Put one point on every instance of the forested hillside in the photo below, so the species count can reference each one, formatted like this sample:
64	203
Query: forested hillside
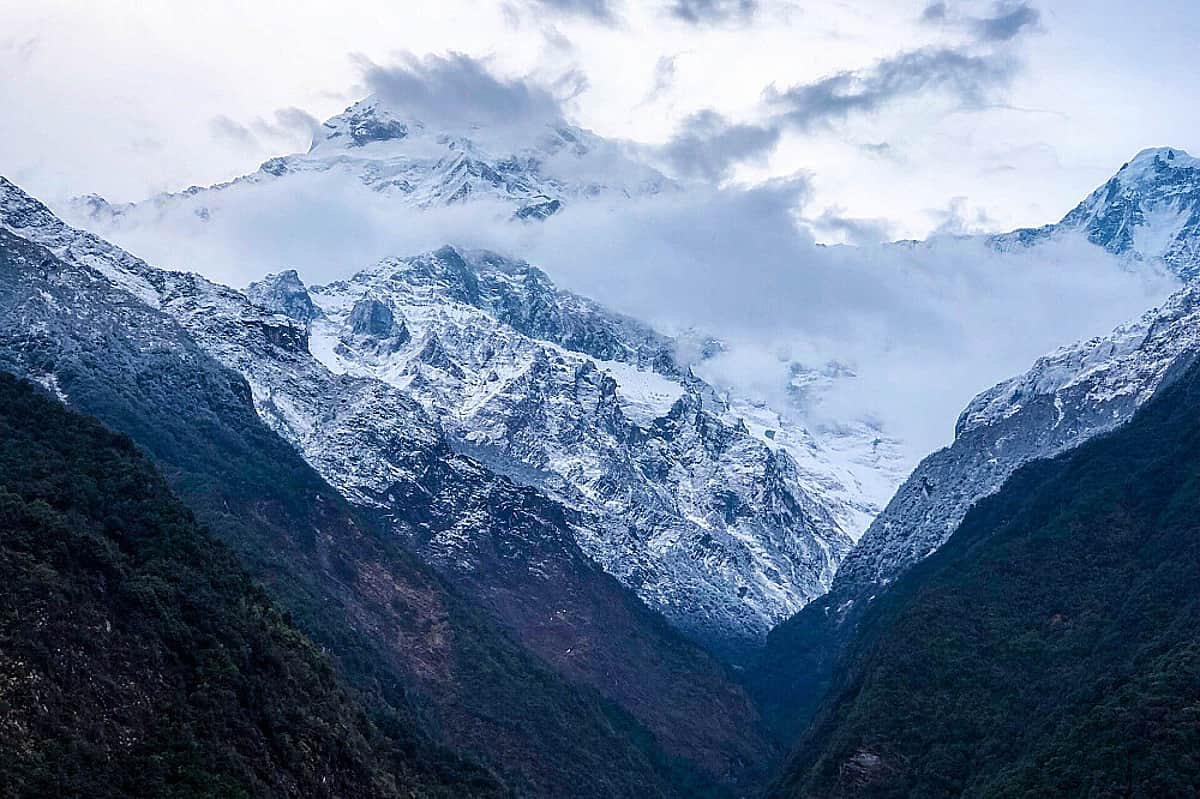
137	659
1048	649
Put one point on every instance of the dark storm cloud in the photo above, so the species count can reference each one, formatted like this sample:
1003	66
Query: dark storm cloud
707	146
455	89
709	11
1008	22
966	77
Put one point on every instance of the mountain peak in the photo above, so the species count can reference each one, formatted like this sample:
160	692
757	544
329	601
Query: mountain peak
1148	211
1154	163
365	122
284	293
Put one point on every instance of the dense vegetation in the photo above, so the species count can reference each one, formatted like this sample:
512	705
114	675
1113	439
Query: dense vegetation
137	659
1051	648
793	673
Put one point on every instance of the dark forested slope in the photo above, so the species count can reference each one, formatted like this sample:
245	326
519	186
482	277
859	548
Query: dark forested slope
1050	648
137	659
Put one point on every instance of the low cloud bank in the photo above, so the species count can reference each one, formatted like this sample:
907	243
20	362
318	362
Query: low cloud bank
901	335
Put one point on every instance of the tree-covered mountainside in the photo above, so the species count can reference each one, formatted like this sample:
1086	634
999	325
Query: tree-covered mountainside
137	658
1050	648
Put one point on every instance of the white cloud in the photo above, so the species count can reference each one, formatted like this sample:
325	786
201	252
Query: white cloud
920	327
117	98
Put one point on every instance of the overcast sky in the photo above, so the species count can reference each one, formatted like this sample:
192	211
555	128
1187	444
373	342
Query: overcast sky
906	117
861	121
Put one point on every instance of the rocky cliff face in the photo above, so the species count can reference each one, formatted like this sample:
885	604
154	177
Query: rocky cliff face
715	526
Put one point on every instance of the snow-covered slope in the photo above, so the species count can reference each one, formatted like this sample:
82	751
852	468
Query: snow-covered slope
401	159
724	514
1149	210
710	521
725	520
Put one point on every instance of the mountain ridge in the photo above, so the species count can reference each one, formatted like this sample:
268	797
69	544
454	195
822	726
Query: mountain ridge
1074	671
441	498
1149	211
1067	397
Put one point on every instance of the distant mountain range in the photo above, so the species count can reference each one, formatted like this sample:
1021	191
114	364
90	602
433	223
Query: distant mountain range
531	175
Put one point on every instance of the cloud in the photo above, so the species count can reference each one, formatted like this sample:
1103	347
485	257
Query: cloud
966	77
289	123
913	331
456	90
935	12
699	12
22	49
957	219
916	329
834	223
599	10
1009	21
666	69
880	149
707	146
286	125
225	129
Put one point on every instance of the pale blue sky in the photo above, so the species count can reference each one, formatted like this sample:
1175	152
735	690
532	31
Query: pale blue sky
901	118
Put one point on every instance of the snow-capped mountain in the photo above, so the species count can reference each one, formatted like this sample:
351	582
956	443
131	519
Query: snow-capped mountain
722	513
1149	210
513	551
405	161
711	522
1066	398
